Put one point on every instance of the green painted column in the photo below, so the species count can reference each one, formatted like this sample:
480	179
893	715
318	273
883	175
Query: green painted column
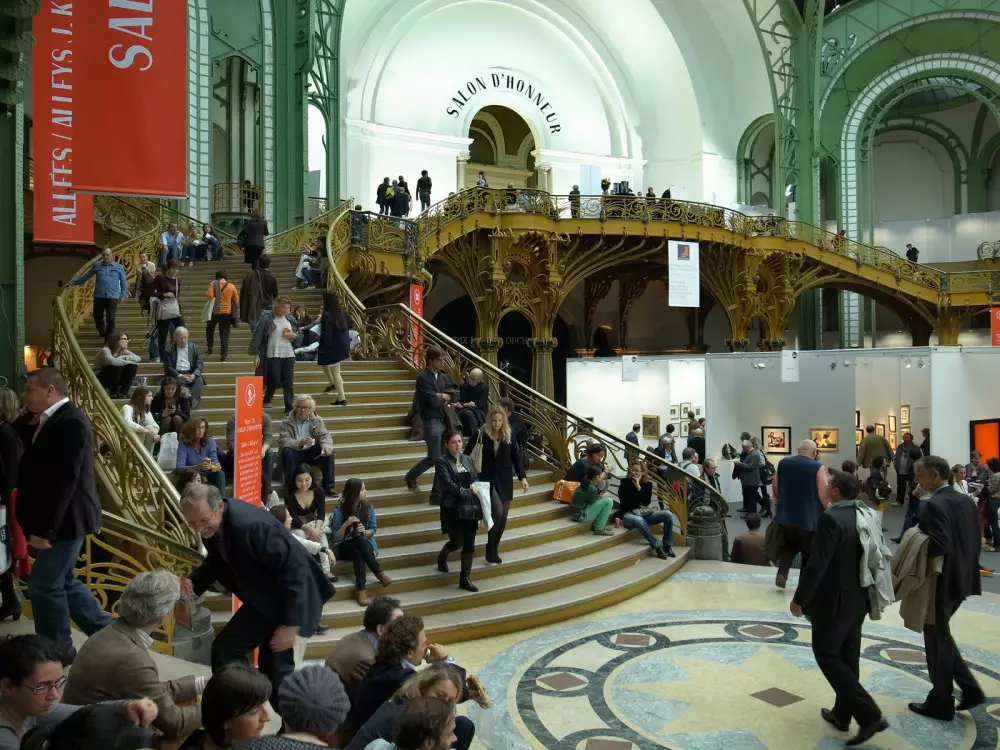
324	89
293	40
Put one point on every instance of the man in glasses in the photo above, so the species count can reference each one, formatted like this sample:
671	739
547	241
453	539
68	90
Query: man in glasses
31	682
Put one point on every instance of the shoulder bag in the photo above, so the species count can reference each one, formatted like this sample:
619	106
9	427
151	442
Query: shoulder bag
477	452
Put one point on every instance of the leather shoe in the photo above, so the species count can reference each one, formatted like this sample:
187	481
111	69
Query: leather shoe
969	702
867	732
924	710
780	581
831	717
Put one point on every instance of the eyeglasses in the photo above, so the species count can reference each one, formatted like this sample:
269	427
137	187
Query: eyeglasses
47	686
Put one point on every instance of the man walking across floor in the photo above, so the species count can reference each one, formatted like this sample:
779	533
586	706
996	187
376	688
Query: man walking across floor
57	508
110	287
799	487
251	554
952	523
830	593
903	465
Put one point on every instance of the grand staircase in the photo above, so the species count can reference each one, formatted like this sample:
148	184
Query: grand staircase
553	569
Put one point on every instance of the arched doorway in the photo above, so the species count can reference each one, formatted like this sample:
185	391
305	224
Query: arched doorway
502	146
515	330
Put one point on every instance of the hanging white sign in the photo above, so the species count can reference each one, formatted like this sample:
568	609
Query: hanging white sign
630	368
684	285
789	366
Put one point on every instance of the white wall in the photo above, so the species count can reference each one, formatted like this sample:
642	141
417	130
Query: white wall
594	388
963	389
914	178
884	383
941	240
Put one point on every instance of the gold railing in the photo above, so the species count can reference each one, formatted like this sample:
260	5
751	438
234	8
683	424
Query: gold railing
237	198
301	238
651	210
126	468
557	436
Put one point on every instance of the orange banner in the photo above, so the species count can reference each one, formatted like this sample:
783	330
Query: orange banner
995	326
417	335
249	440
132	97
58	214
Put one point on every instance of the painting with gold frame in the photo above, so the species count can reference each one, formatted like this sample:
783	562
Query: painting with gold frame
858	436
827	439
892	440
880	429
892	424
651	425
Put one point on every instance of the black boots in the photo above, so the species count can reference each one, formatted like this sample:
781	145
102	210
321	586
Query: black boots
443	559
464	581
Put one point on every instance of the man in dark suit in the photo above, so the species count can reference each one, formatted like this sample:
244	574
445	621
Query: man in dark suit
633	436
952	523
183	361
830	594
433	397
697	441
254	557
57	508
353	655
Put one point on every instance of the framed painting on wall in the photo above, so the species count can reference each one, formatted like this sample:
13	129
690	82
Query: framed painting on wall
892	424
685	429
880	429
905	428
858	436
892	440
827	439
857	419
904	413
697	411
677	428
685	408
776	440
675	413
651	425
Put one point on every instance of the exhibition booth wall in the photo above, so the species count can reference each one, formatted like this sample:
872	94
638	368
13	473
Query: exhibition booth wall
963	390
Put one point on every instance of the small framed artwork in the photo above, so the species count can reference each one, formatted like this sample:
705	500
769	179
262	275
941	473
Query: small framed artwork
904	413
857	420
697	411
858	436
905	429
880	429
827	439
685	429
651	425
892	440
892	424
675	413
685	408
677	428
776	440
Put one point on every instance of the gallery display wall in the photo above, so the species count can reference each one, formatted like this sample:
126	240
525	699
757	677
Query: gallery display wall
963	389
594	389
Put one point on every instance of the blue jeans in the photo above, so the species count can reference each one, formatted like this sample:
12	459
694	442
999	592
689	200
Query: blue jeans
635	521
57	595
173	251
912	515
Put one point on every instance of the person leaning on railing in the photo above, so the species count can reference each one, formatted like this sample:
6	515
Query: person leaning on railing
115	664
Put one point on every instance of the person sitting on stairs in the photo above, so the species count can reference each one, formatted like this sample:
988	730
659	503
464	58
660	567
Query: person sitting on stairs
183	361
588	506
353	528
305	440
116	365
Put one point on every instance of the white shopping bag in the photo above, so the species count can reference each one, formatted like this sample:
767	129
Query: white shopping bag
167	459
206	310
5	543
485	502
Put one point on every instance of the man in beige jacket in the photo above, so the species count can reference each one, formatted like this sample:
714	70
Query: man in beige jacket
353	655
873	445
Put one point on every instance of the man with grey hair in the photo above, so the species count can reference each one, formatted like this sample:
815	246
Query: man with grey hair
182	360
115	663
473	402
747	469
800	482
305	441
253	556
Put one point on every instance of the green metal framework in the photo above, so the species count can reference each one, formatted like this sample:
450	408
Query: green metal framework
324	86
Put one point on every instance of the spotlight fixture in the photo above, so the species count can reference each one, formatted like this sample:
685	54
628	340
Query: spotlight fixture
921	364
833	365
847	363
758	364
908	364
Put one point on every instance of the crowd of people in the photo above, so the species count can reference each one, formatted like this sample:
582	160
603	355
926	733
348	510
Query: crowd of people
393	197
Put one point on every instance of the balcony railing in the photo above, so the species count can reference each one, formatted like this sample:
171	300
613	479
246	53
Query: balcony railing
240	198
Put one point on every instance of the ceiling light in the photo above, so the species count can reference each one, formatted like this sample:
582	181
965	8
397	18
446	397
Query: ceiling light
833	365
908	364
921	364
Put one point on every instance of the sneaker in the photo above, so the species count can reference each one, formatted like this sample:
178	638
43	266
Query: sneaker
603	532
576	517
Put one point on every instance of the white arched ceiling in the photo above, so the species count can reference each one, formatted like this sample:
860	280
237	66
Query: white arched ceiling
674	83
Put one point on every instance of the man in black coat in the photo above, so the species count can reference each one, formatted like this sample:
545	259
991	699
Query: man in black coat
433	397
57	507
952	523
380	199
473	402
830	594
282	589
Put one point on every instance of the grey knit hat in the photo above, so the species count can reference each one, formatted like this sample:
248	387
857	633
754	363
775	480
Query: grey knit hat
313	699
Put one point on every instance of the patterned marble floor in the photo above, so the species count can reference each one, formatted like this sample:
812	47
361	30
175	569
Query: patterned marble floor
712	660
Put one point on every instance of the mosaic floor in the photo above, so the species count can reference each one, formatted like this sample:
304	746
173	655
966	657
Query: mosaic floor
741	677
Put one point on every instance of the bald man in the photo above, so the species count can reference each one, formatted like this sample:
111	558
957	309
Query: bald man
472	406
800	497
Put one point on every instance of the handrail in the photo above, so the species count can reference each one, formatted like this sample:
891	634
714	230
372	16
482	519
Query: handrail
297	238
557	433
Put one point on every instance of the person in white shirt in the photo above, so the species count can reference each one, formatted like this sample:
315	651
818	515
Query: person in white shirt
959	483
171	244
139	418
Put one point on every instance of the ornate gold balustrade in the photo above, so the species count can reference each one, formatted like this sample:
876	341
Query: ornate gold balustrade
241	198
557	436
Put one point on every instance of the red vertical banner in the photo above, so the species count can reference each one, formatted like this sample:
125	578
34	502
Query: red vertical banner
249	439
416	334
58	214
132	97
995	326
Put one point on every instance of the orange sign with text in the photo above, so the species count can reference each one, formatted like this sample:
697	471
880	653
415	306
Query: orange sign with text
249	439
995	326
417	335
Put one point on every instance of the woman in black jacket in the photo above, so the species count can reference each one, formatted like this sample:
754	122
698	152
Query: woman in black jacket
639	511
252	238
454	475
170	407
500	458
10	457
334	344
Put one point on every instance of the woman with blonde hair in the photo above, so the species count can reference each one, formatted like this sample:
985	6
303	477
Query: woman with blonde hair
639	510
497	458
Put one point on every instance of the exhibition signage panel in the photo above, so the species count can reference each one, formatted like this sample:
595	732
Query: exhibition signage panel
132	98
60	215
630	368
995	326
416	335
684	280
789	366
249	439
